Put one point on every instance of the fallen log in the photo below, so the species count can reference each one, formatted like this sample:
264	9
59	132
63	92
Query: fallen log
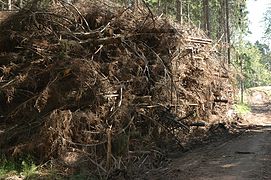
199	40
199	123
221	100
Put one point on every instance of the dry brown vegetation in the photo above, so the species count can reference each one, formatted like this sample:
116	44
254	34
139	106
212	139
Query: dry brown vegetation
99	84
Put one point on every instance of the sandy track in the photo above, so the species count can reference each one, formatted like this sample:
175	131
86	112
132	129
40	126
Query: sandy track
246	156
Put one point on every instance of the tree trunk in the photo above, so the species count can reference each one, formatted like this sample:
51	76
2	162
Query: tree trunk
179	10
206	17
242	81
159	8
188	12
221	20
166	8
228	30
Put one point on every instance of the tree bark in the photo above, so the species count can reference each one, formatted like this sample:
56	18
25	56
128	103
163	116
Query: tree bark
206	17
228	31
242	81
179	10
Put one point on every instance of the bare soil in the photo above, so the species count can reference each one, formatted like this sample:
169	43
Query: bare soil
244	156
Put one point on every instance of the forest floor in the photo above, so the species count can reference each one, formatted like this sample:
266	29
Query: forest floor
246	155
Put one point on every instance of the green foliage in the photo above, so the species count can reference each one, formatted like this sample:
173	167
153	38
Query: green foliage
266	54
255	63
152	3
239	18
242	109
192	11
267	21
7	167
28	168
25	167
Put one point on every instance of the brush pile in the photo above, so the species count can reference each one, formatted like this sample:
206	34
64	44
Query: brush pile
102	80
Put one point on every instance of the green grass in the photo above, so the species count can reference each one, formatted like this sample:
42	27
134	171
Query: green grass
11	167
28	170
7	168
242	109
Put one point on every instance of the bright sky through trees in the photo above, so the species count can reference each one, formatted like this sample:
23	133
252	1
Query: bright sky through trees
256	9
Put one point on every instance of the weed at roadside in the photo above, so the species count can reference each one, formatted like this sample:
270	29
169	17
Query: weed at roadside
242	109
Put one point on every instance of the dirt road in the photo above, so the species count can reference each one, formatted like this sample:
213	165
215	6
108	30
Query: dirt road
246	156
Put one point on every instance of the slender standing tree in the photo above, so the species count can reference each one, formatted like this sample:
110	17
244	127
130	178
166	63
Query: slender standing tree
228	31
179	11
206	17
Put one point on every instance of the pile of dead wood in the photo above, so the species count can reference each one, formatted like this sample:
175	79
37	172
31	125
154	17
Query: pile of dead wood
104	81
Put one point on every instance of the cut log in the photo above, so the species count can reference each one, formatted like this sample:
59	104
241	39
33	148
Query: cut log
199	123
221	100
